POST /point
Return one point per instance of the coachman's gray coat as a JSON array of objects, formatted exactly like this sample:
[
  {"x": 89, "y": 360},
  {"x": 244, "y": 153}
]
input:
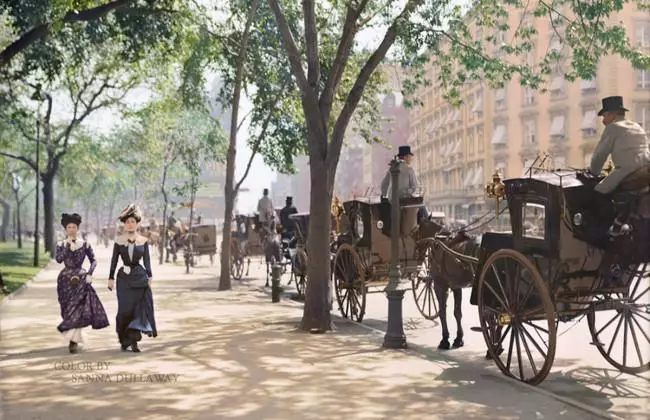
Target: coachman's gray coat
[{"x": 628, "y": 144}]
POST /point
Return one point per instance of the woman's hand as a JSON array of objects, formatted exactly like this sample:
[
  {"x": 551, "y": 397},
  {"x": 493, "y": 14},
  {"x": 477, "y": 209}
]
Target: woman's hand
[
  {"x": 111, "y": 283},
  {"x": 89, "y": 279}
]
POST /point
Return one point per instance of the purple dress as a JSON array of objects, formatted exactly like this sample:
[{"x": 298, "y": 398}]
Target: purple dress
[{"x": 80, "y": 305}]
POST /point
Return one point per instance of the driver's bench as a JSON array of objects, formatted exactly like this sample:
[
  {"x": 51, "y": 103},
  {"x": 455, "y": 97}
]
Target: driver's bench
[{"x": 410, "y": 206}]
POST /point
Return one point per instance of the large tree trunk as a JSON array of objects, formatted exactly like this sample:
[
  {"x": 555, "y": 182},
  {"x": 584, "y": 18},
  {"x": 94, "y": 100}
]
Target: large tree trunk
[
  {"x": 316, "y": 315},
  {"x": 48, "y": 213},
  {"x": 226, "y": 234},
  {"x": 163, "y": 233},
  {"x": 6, "y": 219},
  {"x": 19, "y": 231}
]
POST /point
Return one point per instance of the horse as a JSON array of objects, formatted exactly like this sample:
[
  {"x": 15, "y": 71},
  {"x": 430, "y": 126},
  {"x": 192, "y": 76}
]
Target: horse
[
  {"x": 450, "y": 273},
  {"x": 271, "y": 245}
]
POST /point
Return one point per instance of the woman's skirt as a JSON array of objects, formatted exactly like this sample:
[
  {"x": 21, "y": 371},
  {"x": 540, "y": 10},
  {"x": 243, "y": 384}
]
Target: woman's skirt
[
  {"x": 79, "y": 303},
  {"x": 135, "y": 313}
]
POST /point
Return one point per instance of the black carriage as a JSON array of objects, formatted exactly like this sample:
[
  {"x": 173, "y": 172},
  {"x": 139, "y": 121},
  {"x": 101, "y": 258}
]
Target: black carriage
[
  {"x": 561, "y": 262},
  {"x": 363, "y": 252}
]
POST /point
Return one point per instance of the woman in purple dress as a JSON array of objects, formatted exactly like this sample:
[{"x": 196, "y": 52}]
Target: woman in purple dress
[
  {"x": 135, "y": 313},
  {"x": 80, "y": 305}
]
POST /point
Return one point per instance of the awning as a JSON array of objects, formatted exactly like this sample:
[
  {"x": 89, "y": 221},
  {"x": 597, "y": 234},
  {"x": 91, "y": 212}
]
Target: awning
[
  {"x": 557, "y": 83},
  {"x": 499, "y": 135},
  {"x": 456, "y": 148},
  {"x": 478, "y": 105},
  {"x": 500, "y": 94},
  {"x": 469, "y": 177},
  {"x": 588, "y": 85},
  {"x": 589, "y": 120},
  {"x": 478, "y": 176},
  {"x": 557, "y": 127},
  {"x": 431, "y": 128},
  {"x": 410, "y": 138},
  {"x": 555, "y": 44},
  {"x": 456, "y": 116},
  {"x": 444, "y": 150}
]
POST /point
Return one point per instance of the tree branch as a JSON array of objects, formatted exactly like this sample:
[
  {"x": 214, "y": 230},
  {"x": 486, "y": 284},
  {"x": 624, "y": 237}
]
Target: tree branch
[
  {"x": 20, "y": 158},
  {"x": 341, "y": 59},
  {"x": 311, "y": 41},
  {"x": 290, "y": 44},
  {"x": 355, "y": 94}
]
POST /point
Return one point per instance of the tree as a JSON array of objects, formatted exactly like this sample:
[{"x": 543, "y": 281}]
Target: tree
[
  {"x": 416, "y": 26},
  {"x": 99, "y": 84}
]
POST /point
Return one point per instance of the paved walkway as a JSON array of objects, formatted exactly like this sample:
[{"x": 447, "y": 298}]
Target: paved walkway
[{"x": 233, "y": 355}]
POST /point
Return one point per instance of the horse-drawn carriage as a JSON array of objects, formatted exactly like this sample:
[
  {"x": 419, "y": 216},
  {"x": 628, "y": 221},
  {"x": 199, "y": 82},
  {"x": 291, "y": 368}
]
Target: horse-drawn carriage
[
  {"x": 363, "y": 249},
  {"x": 560, "y": 261},
  {"x": 201, "y": 240}
]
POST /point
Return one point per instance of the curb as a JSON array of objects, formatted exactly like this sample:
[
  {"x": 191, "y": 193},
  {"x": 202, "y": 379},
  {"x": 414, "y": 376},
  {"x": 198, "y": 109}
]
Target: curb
[
  {"x": 421, "y": 350},
  {"x": 16, "y": 293}
]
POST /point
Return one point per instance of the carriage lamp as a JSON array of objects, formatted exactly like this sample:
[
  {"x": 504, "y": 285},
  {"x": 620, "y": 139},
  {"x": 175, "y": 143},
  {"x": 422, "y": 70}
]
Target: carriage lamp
[
  {"x": 337, "y": 211},
  {"x": 577, "y": 219},
  {"x": 495, "y": 189},
  {"x": 380, "y": 224}
]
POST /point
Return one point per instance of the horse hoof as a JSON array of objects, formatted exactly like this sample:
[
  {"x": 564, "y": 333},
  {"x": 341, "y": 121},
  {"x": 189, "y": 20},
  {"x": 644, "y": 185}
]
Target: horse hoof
[
  {"x": 444, "y": 345},
  {"x": 458, "y": 343},
  {"x": 498, "y": 352}
]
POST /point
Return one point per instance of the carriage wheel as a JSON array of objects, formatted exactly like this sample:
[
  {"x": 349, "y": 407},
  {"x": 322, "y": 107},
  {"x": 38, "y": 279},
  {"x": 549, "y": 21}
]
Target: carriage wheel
[
  {"x": 350, "y": 283},
  {"x": 624, "y": 338},
  {"x": 513, "y": 300},
  {"x": 422, "y": 283},
  {"x": 299, "y": 268}
]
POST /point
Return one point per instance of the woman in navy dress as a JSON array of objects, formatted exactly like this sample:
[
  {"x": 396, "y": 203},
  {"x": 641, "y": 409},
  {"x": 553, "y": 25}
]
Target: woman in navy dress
[
  {"x": 135, "y": 313},
  {"x": 80, "y": 305}
]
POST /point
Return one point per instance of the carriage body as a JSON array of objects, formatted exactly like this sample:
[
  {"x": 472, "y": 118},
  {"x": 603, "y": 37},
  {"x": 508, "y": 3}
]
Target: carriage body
[
  {"x": 204, "y": 240},
  {"x": 558, "y": 263}
]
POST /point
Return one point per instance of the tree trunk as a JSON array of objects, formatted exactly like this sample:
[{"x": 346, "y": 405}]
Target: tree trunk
[
  {"x": 190, "y": 237},
  {"x": 6, "y": 219},
  {"x": 48, "y": 213},
  {"x": 316, "y": 315},
  {"x": 19, "y": 231},
  {"x": 163, "y": 233},
  {"x": 226, "y": 234}
]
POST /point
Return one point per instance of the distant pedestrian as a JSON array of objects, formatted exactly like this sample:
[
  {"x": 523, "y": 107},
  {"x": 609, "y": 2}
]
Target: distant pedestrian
[
  {"x": 135, "y": 311},
  {"x": 80, "y": 305}
]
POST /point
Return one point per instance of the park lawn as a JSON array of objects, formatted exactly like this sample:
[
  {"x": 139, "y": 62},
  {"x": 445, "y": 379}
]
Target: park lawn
[{"x": 16, "y": 265}]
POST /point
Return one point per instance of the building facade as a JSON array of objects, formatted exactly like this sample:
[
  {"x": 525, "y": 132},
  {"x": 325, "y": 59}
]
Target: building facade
[{"x": 458, "y": 149}]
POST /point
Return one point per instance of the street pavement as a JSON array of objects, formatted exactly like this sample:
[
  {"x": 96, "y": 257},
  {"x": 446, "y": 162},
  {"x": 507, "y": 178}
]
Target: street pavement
[{"x": 236, "y": 355}]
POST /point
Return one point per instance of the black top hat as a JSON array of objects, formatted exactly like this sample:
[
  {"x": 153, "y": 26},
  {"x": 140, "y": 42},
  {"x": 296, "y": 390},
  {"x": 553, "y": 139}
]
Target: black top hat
[
  {"x": 404, "y": 151},
  {"x": 289, "y": 198},
  {"x": 612, "y": 103},
  {"x": 67, "y": 219}
]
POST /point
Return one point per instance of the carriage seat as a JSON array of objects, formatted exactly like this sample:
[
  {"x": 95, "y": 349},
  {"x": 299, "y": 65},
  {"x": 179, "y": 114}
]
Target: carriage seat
[
  {"x": 628, "y": 198},
  {"x": 408, "y": 217}
]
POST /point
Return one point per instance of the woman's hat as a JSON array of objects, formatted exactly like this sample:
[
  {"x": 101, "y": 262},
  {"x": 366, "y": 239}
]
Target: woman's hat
[
  {"x": 130, "y": 211},
  {"x": 404, "y": 151},
  {"x": 612, "y": 103},
  {"x": 67, "y": 219}
]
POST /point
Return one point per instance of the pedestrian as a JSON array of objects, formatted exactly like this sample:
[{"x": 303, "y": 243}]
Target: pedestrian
[
  {"x": 135, "y": 311},
  {"x": 79, "y": 303}
]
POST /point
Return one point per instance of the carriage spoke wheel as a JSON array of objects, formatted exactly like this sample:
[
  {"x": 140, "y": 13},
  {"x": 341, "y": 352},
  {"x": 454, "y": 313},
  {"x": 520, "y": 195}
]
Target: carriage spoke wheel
[
  {"x": 299, "y": 268},
  {"x": 622, "y": 335},
  {"x": 350, "y": 283},
  {"x": 517, "y": 316},
  {"x": 237, "y": 262},
  {"x": 422, "y": 282}
]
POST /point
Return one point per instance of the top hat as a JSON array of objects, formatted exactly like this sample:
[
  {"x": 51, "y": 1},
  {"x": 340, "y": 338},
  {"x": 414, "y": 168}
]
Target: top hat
[
  {"x": 289, "y": 198},
  {"x": 404, "y": 151},
  {"x": 612, "y": 103}
]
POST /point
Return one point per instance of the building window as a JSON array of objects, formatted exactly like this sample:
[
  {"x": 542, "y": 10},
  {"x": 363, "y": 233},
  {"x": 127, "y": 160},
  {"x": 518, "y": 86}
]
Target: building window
[
  {"x": 500, "y": 99},
  {"x": 529, "y": 96},
  {"x": 477, "y": 109},
  {"x": 528, "y": 163},
  {"x": 501, "y": 166},
  {"x": 470, "y": 141},
  {"x": 558, "y": 127},
  {"x": 589, "y": 123},
  {"x": 555, "y": 43},
  {"x": 643, "y": 116},
  {"x": 500, "y": 136},
  {"x": 557, "y": 87},
  {"x": 479, "y": 178},
  {"x": 480, "y": 138},
  {"x": 643, "y": 34},
  {"x": 530, "y": 132},
  {"x": 559, "y": 162},
  {"x": 588, "y": 86},
  {"x": 643, "y": 79}
]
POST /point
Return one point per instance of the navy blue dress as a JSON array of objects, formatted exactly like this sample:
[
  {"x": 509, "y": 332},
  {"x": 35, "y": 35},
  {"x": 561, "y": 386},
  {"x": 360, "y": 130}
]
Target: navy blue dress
[{"x": 135, "y": 311}]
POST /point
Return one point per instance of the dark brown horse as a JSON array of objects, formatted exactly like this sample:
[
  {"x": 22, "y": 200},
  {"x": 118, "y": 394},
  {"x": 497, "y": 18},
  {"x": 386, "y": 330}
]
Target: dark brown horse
[{"x": 450, "y": 272}]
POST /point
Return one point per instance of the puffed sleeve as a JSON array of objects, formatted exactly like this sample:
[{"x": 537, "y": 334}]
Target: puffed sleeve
[
  {"x": 116, "y": 255},
  {"x": 147, "y": 260},
  {"x": 603, "y": 149},
  {"x": 61, "y": 251},
  {"x": 91, "y": 257}
]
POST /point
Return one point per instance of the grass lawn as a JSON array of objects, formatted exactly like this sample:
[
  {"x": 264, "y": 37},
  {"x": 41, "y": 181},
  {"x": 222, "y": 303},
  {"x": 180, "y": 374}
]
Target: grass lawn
[{"x": 16, "y": 264}]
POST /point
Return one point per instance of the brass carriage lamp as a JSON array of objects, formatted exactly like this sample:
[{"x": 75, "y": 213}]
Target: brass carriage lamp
[
  {"x": 337, "y": 212},
  {"x": 496, "y": 189}
]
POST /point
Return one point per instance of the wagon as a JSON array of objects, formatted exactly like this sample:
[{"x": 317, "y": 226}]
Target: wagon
[
  {"x": 247, "y": 241},
  {"x": 559, "y": 263},
  {"x": 363, "y": 252},
  {"x": 204, "y": 242}
]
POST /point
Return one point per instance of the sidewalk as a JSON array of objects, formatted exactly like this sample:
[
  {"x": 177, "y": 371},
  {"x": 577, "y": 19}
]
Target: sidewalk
[{"x": 232, "y": 355}]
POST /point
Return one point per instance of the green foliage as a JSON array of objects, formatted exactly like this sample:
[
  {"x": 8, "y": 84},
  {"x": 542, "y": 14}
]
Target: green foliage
[{"x": 482, "y": 43}]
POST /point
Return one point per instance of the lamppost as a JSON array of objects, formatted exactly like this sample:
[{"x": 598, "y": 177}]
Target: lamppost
[
  {"x": 16, "y": 183},
  {"x": 395, "y": 337},
  {"x": 38, "y": 174}
]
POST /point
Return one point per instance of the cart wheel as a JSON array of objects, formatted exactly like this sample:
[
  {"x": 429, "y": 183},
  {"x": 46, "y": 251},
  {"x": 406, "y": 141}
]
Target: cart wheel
[
  {"x": 514, "y": 300},
  {"x": 237, "y": 268},
  {"x": 299, "y": 268},
  {"x": 422, "y": 282},
  {"x": 622, "y": 335},
  {"x": 350, "y": 283}
]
